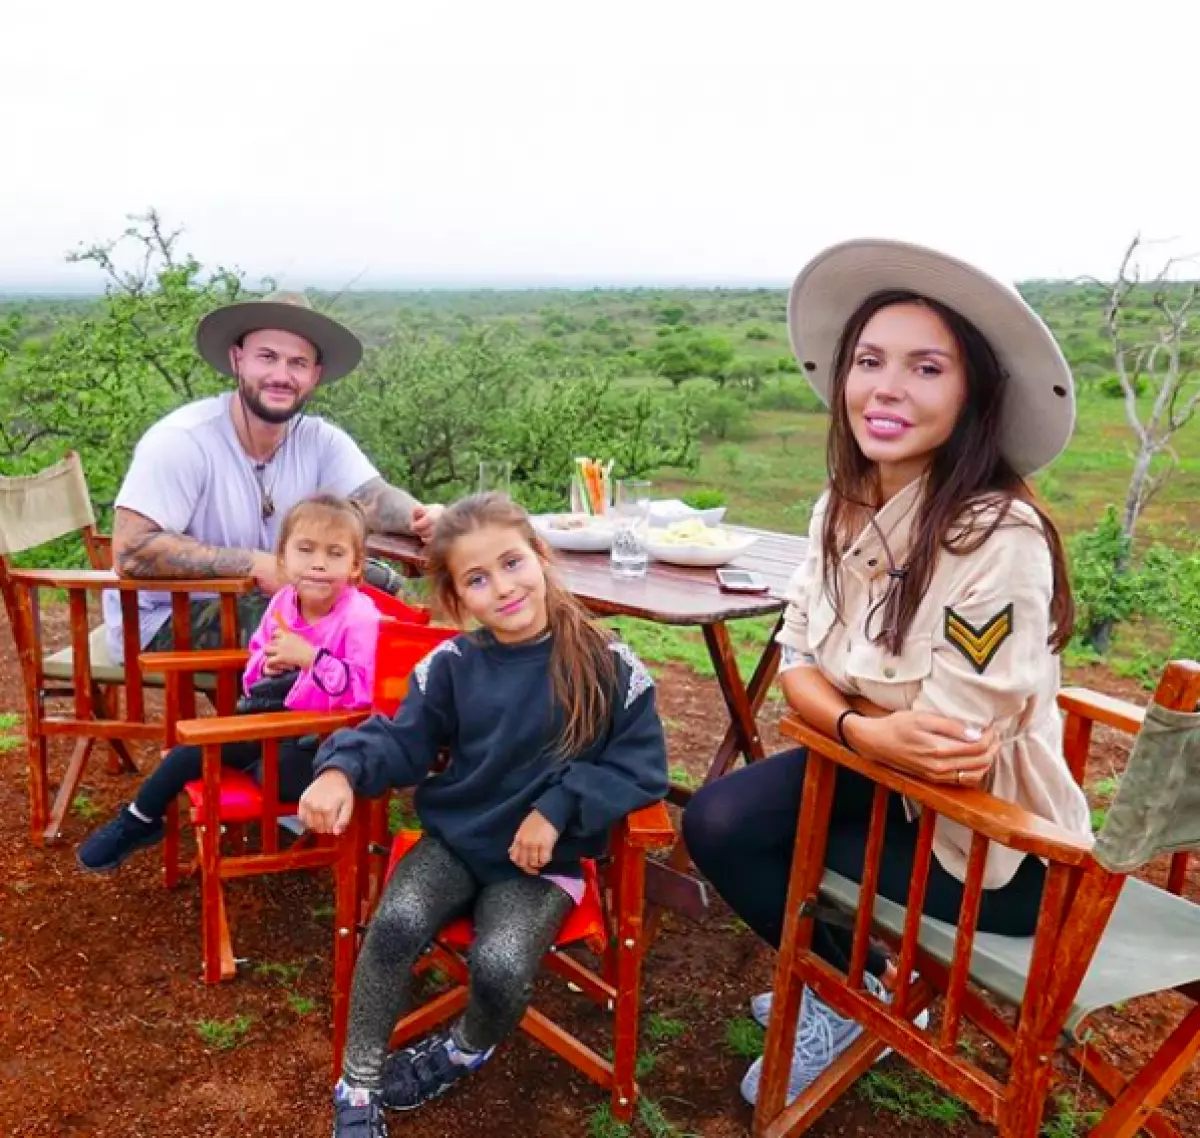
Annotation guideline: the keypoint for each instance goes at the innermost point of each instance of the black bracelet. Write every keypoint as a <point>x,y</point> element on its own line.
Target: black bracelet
<point>841,731</point>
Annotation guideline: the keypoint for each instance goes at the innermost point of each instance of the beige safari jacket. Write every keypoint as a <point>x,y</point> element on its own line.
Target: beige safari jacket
<point>976,651</point>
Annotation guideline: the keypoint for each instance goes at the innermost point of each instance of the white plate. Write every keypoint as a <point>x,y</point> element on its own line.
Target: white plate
<point>699,556</point>
<point>664,512</point>
<point>596,536</point>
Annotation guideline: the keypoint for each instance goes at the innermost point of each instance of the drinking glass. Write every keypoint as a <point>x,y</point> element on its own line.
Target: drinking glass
<point>631,509</point>
<point>495,475</point>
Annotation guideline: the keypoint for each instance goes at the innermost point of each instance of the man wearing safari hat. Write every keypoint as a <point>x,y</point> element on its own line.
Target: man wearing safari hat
<point>210,482</point>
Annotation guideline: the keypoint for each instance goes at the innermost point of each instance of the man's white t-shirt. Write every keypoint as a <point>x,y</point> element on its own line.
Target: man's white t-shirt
<point>190,475</point>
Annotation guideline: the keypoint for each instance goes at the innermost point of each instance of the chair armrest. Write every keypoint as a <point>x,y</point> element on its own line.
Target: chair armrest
<point>648,828</point>
<point>209,660</point>
<point>272,725</point>
<point>108,579</point>
<point>1100,708</point>
<point>998,820</point>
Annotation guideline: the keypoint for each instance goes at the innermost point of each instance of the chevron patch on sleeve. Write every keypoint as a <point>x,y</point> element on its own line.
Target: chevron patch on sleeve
<point>979,645</point>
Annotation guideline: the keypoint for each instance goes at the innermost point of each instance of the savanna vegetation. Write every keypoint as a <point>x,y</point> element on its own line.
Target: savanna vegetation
<point>696,389</point>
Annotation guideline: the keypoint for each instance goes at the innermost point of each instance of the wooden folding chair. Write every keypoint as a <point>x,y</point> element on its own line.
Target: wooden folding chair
<point>609,921</point>
<point>34,511</point>
<point>1103,937</point>
<point>228,799</point>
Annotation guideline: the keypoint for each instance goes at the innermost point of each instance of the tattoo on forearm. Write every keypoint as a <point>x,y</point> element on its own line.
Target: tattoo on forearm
<point>144,550</point>
<point>388,509</point>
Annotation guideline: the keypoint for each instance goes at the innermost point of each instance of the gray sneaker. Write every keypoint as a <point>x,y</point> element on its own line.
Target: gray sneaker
<point>821,1036</point>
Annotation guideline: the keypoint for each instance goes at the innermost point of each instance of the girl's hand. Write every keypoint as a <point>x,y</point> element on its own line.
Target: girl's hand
<point>534,843</point>
<point>327,806</point>
<point>929,746</point>
<point>287,650</point>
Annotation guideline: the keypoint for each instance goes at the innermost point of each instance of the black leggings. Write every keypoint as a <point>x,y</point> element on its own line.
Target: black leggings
<point>516,922</point>
<point>741,830</point>
<point>185,764</point>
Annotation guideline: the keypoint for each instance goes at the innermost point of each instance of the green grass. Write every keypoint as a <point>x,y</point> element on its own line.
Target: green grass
<point>286,974</point>
<point>1067,1121</point>
<point>654,1122</point>
<point>81,804</point>
<point>661,1027</point>
<point>909,1096</point>
<point>224,1035</point>
<point>744,1037</point>
<point>9,720</point>
<point>302,1005</point>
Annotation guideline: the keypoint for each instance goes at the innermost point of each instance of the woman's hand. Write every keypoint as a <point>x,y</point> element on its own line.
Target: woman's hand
<point>327,806</point>
<point>929,746</point>
<point>534,843</point>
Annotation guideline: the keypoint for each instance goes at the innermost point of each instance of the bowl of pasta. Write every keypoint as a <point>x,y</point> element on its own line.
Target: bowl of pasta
<point>575,533</point>
<point>692,543</point>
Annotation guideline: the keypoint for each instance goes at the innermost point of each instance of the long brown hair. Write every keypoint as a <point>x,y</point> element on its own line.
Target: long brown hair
<point>331,511</point>
<point>968,479</point>
<point>582,668</point>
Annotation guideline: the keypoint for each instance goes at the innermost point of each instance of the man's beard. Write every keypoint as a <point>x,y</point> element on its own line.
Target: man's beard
<point>260,410</point>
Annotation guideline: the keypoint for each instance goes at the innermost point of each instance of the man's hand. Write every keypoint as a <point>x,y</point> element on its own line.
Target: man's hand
<point>287,650</point>
<point>424,518</point>
<point>265,569</point>
<point>327,806</point>
<point>534,843</point>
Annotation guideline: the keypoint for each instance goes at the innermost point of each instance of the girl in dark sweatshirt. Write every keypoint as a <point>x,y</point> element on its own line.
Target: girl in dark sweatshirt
<point>553,736</point>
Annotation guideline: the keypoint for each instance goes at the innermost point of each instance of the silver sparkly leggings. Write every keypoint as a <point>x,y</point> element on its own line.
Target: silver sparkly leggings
<point>516,922</point>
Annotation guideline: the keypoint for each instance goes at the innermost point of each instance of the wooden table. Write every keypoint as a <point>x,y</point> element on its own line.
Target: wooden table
<point>674,595</point>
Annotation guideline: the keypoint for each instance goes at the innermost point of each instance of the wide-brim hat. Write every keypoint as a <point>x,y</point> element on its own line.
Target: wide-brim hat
<point>1039,411</point>
<point>340,349</point>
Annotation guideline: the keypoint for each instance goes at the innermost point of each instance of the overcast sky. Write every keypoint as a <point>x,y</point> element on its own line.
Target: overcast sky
<point>611,141</point>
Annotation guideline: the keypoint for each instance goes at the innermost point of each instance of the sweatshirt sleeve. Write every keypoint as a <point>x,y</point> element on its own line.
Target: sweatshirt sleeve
<point>385,752</point>
<point>628,773</point>
<point>344,673</point>
<point>259,641</point>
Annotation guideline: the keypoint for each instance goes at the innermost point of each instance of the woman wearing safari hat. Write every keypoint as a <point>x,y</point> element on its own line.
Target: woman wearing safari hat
<point>924,628</point>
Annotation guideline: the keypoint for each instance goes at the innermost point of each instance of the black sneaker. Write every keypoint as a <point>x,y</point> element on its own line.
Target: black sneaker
<point>106,848</point>
<point>351,1121</point>
<point>417,1074</point>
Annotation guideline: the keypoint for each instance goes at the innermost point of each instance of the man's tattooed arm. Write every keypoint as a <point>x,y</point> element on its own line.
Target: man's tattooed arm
<point>388,509</point>
<point>142,549</point>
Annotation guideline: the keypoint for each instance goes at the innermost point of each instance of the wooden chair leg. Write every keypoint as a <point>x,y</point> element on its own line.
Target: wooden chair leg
<point>630,950</point>
<point>39,786</point>
<point>1146,1090</point>
<point>213,920</point>
<point>348,887</point>
<point>171,846</point>
<point>67,789</point>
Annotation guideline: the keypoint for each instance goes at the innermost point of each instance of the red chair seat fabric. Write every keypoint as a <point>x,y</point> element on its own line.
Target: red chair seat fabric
<point>241,798</point>
<point>586,920</point>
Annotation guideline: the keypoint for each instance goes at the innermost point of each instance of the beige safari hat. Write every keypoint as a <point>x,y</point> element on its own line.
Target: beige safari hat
<point>1039,414</point>
<point>339,348</point>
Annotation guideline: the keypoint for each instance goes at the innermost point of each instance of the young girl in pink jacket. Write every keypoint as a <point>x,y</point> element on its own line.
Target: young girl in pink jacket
<point>315,646</point>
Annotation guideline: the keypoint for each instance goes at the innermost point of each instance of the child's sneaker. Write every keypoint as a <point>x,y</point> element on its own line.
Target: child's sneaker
<point>821,1036</point>
<point>422,1072</point>
<point>106,848</point>
<point>357,1113</point>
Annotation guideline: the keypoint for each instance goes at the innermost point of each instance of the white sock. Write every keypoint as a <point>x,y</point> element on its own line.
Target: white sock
<point>132,808</point>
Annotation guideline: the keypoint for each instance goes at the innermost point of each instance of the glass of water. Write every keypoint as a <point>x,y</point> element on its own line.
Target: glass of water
<point>631,509</point>
<point>495,476</point>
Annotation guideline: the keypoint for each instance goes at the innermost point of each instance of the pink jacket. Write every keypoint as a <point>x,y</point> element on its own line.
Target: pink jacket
<point>343,675</point>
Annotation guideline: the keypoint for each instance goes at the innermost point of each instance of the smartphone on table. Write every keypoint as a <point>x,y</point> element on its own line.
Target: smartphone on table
<point>740,581</point>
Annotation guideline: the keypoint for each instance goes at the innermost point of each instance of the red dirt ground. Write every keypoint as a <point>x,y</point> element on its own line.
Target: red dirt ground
<point>103,1000</point>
